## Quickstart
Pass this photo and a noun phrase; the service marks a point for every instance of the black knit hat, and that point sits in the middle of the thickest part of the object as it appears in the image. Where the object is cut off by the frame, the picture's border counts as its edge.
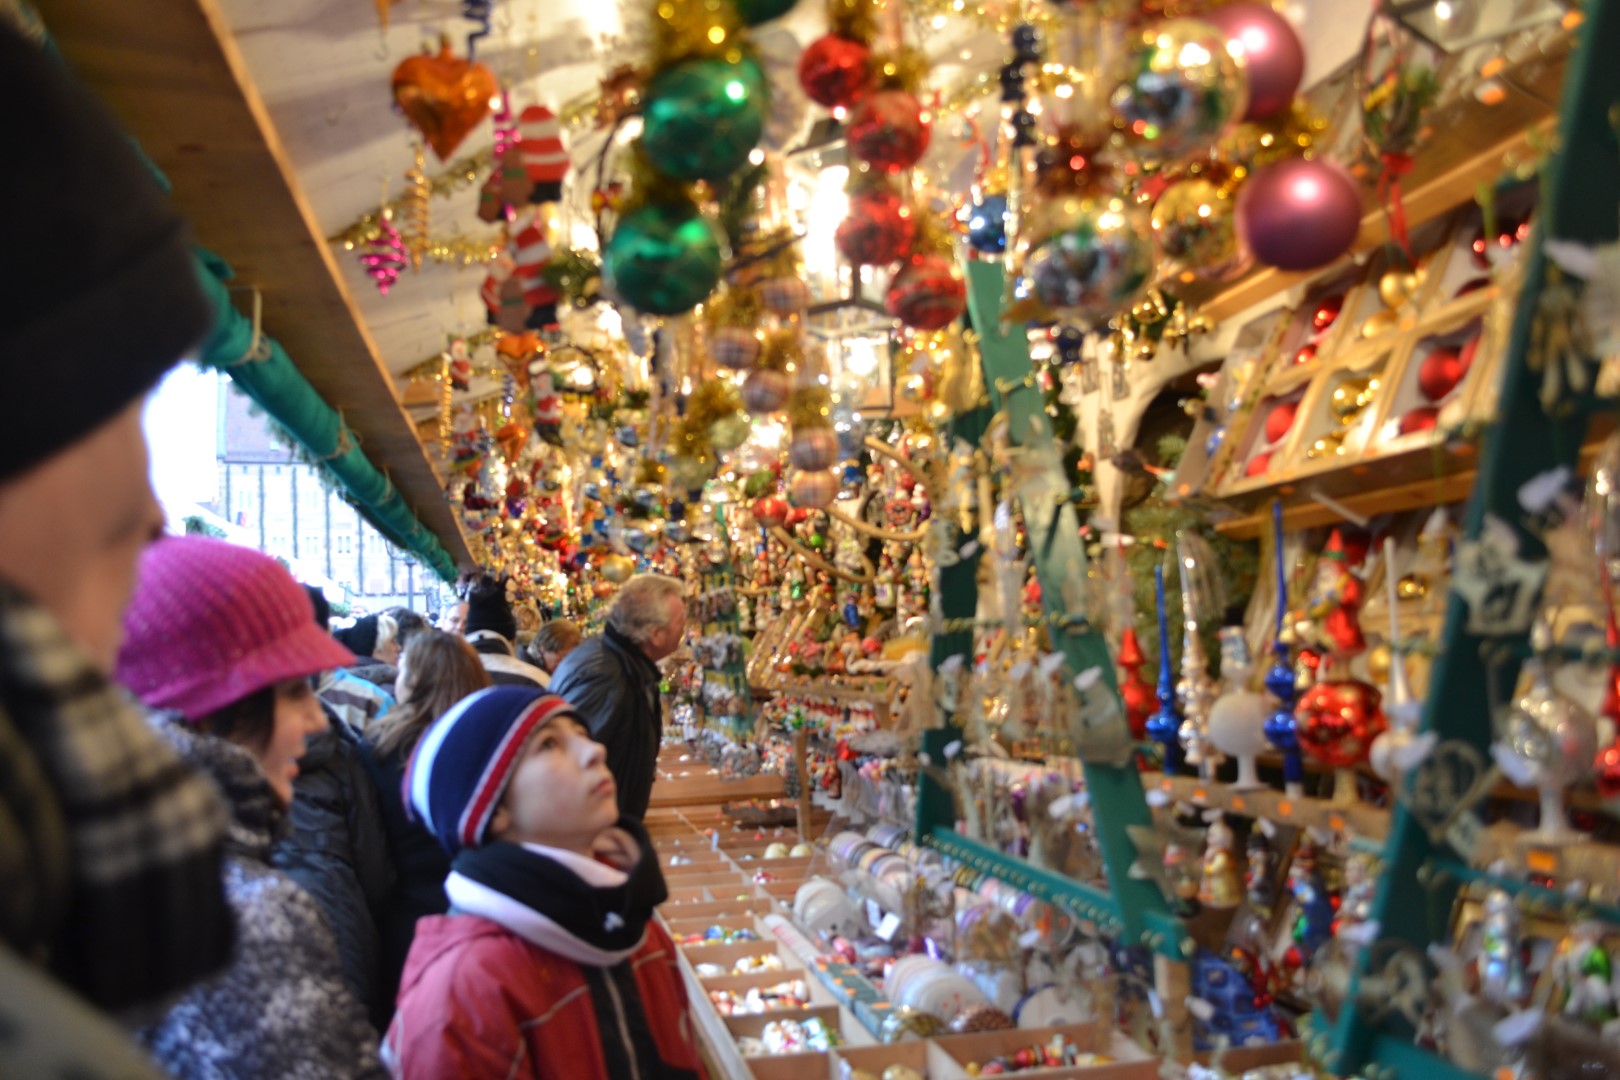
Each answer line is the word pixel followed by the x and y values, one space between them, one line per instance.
pixel 487 609
pixel 361 638
pixel 98 289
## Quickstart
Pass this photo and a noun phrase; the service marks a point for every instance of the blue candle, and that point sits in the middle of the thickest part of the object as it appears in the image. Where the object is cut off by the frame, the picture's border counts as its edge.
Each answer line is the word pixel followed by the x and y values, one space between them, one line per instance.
pixel 1281 728
pixel 1164 726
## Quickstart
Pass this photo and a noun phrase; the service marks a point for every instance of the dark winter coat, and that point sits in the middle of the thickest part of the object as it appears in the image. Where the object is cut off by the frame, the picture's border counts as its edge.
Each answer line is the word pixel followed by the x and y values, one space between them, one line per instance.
pixel 337 849
pixel 281 1010
pixel 614 687
pixel 420 867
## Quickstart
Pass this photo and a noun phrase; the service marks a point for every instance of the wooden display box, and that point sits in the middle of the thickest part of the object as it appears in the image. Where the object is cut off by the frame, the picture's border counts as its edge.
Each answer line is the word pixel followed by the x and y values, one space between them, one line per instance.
pixel 688 894
pixel 728 955
pixel 679 928
pixel 912 1054
pixel 724 910
pixel 750 1025
pixel 1241 1058
pixel 951 1054
pixel 811 1066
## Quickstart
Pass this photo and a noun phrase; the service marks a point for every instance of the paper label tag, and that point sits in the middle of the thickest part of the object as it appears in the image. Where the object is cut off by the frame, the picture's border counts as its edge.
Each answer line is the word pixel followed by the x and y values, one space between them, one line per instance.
pixel 874 914
pixel 1465 835
pixel 887 928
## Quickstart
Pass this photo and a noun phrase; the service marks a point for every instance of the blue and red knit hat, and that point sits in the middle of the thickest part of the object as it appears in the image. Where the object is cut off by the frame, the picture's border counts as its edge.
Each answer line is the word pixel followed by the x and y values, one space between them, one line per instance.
pixel 461 766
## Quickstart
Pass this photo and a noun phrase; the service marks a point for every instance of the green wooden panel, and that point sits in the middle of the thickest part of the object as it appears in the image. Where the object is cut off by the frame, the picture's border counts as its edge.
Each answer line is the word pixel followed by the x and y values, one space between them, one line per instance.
pixel 1579 203
pixel 1116 792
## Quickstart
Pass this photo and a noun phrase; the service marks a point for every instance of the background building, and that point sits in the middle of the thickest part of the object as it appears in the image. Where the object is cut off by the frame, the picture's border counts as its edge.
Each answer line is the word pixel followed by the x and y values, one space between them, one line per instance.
pixel 218 468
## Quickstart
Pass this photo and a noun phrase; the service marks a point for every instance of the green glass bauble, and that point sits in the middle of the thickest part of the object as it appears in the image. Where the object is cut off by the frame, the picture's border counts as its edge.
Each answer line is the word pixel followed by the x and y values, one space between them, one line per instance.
pixel 701 117
pixel 730 431
pixel 664 259
pixel 754 12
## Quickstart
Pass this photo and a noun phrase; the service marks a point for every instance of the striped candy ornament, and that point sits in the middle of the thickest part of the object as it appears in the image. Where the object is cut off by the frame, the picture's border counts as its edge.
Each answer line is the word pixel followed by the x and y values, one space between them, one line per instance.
pixel 531 252
pixel 502 293
pixel 540 145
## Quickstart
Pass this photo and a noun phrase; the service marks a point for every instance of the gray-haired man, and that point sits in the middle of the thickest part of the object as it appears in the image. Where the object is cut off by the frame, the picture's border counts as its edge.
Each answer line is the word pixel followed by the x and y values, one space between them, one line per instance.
pixel 612 681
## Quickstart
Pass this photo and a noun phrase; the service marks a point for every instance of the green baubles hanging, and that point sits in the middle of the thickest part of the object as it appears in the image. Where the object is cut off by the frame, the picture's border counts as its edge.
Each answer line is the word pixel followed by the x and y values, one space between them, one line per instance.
pixel 703 116
pixel 664 258
pixel 754 12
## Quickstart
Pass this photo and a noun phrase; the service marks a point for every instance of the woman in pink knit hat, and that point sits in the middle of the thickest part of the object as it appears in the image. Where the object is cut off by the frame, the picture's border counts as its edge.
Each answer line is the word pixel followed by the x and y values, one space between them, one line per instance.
pixel 222 643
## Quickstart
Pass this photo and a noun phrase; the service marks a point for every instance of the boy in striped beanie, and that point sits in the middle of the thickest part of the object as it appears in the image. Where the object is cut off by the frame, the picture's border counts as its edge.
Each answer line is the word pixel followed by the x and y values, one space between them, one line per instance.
pixel 549 965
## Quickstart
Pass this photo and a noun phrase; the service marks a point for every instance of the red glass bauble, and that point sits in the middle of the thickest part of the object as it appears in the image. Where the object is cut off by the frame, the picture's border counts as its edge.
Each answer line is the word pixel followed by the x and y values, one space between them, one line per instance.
pixel 1258 465
pixel 1299 214
pixel 1439 373
pixel 1469 350
pixel 1422 418
pixel 770 511
pixel 1327 312
pixel 835 71
pixel 1280 419
pixel 1273 58
pixel 1606 771
pixel 927 293
pixel 1306 354
pixel 878 230
pixel 797 514
pixel 887 130
pixel 1337 721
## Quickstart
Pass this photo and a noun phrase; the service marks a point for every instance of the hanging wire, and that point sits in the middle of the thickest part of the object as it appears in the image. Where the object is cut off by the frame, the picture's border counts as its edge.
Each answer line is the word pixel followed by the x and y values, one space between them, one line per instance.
pixel 477 11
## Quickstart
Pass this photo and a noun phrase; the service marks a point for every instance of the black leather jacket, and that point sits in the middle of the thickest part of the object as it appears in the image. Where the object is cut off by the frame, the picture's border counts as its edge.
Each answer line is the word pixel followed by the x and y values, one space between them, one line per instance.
pixel 614 687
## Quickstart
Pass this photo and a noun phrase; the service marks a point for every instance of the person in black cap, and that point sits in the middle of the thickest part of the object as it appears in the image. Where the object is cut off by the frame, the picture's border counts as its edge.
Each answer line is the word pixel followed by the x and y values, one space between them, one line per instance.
pixel 492 631
pixel 111 897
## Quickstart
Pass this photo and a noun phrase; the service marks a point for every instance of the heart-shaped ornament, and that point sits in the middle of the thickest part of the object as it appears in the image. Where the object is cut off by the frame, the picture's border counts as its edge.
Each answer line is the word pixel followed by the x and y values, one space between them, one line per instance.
pixel 444 97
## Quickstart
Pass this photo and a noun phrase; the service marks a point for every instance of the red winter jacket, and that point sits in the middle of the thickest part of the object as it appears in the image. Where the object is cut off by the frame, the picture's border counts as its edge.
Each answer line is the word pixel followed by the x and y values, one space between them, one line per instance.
pixel 477 1001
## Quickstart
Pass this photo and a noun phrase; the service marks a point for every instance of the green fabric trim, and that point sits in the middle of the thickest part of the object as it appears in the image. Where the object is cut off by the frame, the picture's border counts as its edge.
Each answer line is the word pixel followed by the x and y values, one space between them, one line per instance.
pixel 281 390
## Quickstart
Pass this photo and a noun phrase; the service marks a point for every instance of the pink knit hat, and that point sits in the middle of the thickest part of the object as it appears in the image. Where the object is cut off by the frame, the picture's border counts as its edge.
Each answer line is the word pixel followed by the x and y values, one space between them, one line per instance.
pixel 212 623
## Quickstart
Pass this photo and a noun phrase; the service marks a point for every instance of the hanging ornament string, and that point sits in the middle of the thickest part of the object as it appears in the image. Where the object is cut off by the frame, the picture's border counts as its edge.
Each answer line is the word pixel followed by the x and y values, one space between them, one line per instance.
pixel 1395 91
pixel 782 536
pixel 476 11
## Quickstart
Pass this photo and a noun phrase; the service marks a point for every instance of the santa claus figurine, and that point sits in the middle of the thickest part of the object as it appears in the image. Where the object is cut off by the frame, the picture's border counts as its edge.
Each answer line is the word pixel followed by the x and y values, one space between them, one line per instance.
pixel 1340 592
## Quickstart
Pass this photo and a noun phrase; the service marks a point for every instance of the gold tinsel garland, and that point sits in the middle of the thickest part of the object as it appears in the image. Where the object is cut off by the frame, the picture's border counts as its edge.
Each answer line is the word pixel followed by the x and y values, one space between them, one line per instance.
pixel 809 407
pixel 710 401
pixel 459 174
pixel 783 350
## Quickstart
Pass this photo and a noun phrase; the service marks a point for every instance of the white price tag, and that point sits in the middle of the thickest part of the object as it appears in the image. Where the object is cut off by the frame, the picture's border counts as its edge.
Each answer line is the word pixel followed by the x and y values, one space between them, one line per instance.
pixel 874 914
pixel 1465 834
pixel 887 928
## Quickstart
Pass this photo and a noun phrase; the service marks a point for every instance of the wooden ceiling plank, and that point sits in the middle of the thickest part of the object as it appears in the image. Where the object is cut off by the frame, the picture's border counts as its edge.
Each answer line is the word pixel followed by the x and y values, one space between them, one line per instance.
pixel 173 74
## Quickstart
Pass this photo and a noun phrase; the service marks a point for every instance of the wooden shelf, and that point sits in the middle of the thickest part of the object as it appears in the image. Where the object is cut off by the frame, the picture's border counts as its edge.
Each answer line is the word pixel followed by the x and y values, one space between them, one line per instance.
pixel 1381 487
pixel 1303 812
pixel 173 74
pixel 712 791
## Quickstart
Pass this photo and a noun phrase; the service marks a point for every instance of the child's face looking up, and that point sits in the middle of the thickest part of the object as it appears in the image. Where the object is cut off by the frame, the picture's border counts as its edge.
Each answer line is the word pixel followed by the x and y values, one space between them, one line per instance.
pixel 562 794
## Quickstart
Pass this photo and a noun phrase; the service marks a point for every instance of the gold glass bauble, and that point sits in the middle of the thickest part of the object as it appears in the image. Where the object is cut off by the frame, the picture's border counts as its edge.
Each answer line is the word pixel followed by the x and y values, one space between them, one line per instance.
pixel 1182 89
pixel 618 568
pixel 1193 223
pixel 1351 396
pixel 730 431
pixel 1380 322
pixel 1326 446
pixel 1412 587
pixel 1396 287
pixel 1378 661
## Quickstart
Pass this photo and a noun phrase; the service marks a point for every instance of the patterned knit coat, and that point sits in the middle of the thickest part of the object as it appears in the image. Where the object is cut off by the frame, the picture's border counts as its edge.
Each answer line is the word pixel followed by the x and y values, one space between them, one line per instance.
pixel 281 1009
